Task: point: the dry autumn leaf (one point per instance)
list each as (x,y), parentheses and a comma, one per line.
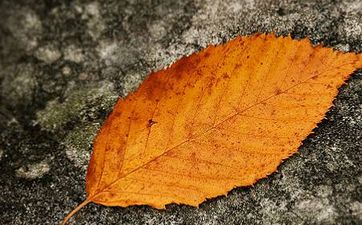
(218,119)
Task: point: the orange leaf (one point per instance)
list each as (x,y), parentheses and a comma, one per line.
(218,119)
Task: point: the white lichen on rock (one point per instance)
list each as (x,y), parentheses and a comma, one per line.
(73,54)
(48,53)
(316,210)
(130,82)
(94,20)
(33,171)
(1,154)
(356,208)
(25,27)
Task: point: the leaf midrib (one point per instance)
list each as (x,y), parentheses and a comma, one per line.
(197,136)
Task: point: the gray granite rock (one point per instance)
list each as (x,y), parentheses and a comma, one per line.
(64,63)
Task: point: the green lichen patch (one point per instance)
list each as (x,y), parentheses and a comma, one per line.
(83,103)
(78,144)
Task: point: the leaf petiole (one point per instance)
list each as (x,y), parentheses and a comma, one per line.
(74,211)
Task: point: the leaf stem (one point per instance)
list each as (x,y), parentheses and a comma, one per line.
(81,205)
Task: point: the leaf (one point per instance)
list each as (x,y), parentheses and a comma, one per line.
(221,118)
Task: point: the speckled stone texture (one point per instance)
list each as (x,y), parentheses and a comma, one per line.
(63,64)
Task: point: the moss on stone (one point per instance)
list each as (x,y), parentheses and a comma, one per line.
(78,143)
(78,103)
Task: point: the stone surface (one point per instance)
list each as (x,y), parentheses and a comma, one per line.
(64,63)
(33,171)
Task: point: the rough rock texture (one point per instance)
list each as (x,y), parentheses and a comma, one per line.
(64,63)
